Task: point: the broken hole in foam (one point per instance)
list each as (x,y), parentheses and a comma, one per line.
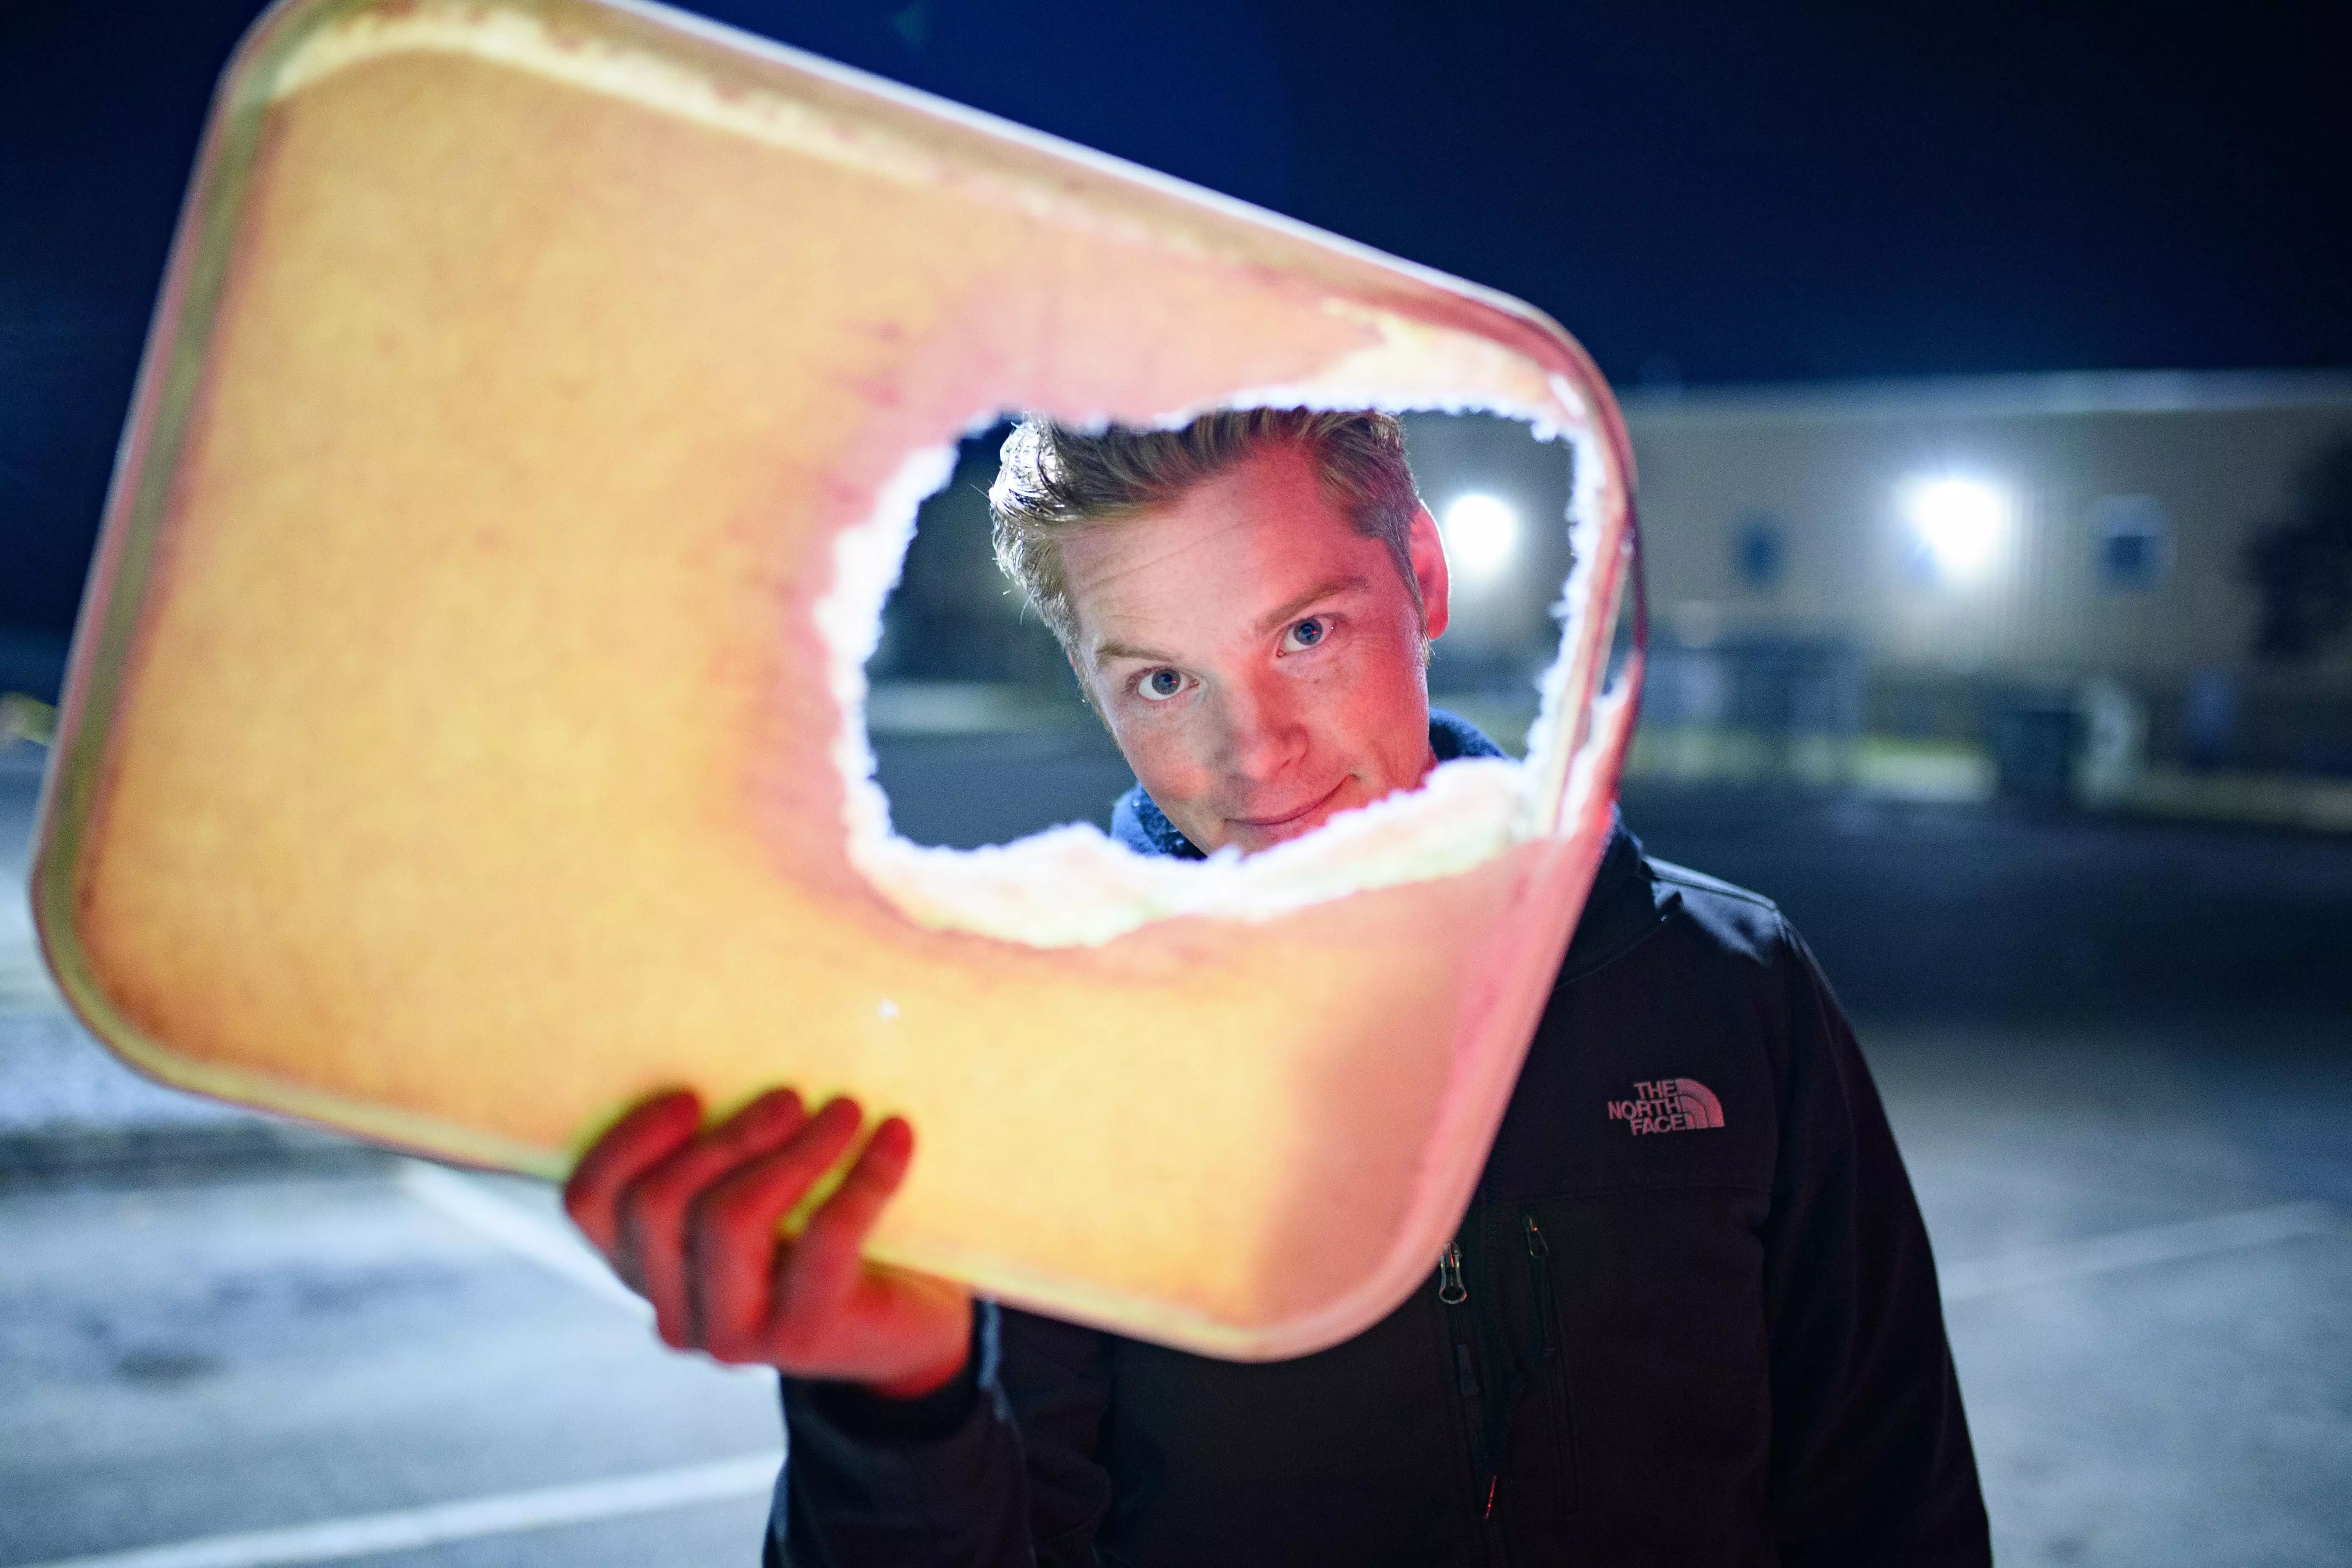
(979,782)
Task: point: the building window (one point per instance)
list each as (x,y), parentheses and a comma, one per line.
(2134,542)
(1758,550)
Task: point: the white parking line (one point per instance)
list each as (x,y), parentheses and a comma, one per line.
(520,1232)
(406,1530)
(1980,1276)
(555,1249)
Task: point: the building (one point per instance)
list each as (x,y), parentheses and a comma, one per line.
(2051,569)
(1934,588)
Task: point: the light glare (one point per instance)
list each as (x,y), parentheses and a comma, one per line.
(1961,523)
(1481,533)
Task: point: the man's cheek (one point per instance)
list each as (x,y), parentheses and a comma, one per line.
(1162,760)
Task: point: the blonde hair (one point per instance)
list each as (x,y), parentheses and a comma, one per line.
(1053,481)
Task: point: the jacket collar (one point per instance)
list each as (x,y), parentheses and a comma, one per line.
(1627,903)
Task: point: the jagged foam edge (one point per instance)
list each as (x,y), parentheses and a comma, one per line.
(1074,885)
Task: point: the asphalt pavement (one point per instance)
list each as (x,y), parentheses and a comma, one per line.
(227,1342)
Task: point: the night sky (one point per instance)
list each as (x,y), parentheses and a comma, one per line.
(1701,193)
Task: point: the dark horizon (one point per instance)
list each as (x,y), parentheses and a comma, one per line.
(1701,199)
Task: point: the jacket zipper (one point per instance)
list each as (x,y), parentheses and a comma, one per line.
(1455,1293)
(1450,1288)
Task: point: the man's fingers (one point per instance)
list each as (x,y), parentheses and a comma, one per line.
(731,1230)
(643,1138)
(653,1207)
(824,1261)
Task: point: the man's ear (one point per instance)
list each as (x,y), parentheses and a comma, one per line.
(1427,548)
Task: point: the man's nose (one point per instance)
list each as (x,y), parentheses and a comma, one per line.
(1265,731)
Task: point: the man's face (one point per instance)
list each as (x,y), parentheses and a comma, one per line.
(1257,659)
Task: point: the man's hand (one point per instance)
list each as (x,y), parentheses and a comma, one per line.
(689,1220)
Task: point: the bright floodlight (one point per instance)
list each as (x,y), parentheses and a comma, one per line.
(1961,523)
(1481,533)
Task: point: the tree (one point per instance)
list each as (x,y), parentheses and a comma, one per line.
(2302,565)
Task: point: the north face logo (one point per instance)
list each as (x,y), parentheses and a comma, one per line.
(1668,1105)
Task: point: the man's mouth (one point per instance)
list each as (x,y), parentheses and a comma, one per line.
(1276,824)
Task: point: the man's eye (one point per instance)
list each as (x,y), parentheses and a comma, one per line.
(1159,686)
(1306,634)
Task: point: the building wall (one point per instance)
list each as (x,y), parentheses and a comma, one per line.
(1849,635)
(2215,455)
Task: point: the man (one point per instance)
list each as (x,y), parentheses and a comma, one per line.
(1690,1317)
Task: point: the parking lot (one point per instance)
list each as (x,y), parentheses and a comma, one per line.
(221,1343)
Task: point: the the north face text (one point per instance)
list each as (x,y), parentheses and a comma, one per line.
(1668,1105)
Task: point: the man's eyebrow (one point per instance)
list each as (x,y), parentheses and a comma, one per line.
(1106,652)
(1323,590)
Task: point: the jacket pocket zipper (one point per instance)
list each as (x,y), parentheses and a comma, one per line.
(1539,1270)
(1554,1371)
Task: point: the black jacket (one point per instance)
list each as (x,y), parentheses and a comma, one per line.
(1693,1320)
